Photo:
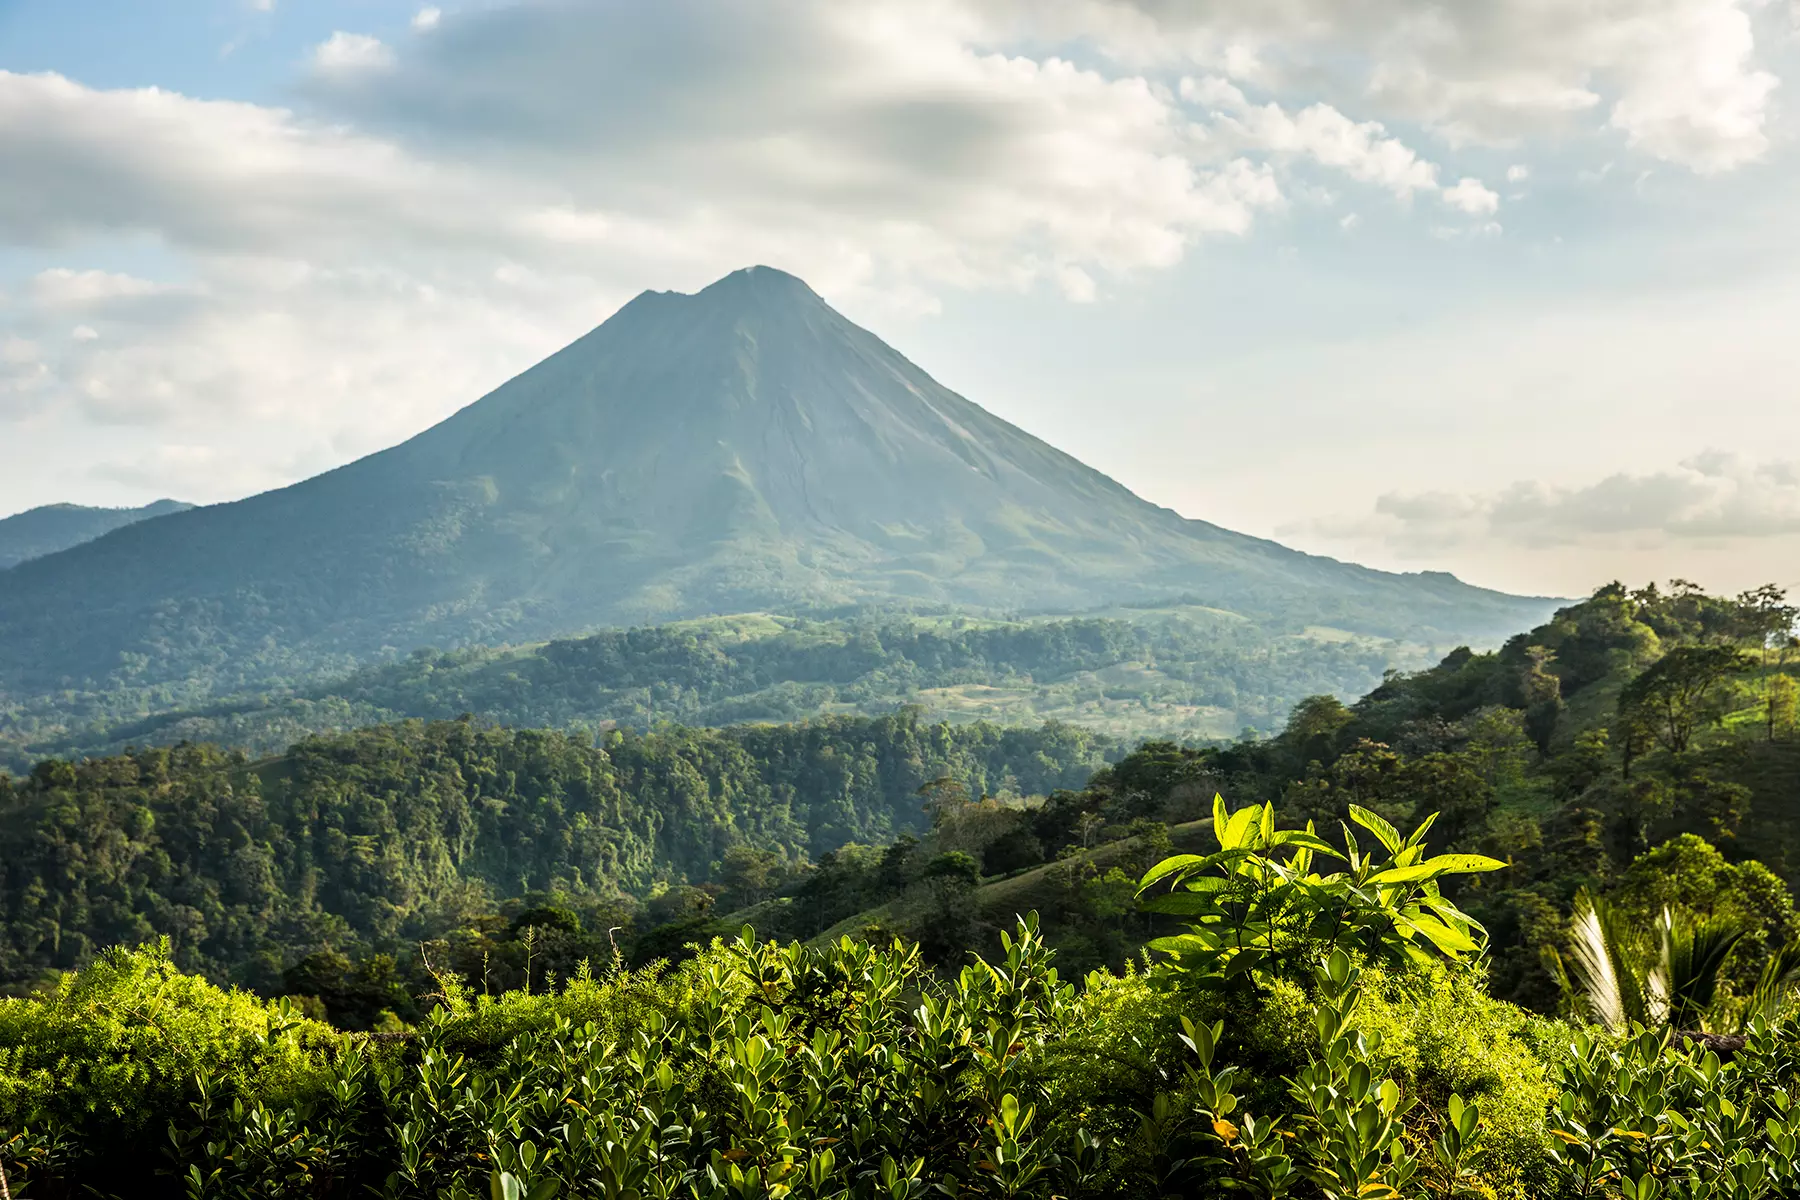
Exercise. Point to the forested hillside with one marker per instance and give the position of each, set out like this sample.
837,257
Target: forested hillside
1177,671
367,842
1646,741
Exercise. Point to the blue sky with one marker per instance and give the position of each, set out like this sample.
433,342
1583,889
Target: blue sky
1505,289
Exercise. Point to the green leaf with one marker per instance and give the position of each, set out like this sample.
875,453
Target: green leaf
1237,831
1431,868
1418,835
1168,867
1451,941
1460,864
1403,875
1306,839
1221,819
1384,832
1180,904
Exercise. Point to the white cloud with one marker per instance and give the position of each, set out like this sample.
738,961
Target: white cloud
23,373
1678,78
62,288
1710,498
1518,173
1470,196
331,264
427,19
1361,149
351,52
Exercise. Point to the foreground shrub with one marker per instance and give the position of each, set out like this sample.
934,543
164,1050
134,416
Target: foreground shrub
116,1047
1384,1071
757,1070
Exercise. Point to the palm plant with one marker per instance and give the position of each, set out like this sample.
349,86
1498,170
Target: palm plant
1684,979
1776,984
1620,979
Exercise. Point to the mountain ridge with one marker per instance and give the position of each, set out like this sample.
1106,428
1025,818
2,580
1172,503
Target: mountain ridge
51,528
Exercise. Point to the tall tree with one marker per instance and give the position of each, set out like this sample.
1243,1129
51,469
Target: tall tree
1781,702
1678,694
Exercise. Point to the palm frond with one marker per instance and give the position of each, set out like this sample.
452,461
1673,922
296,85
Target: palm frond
1685,981
1603,965
1776,985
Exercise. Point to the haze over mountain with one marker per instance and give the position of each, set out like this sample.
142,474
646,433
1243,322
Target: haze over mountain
745,447
40,531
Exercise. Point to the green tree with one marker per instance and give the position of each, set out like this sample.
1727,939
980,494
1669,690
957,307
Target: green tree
1542,698
1679,694
1768,619
749,874
1780,704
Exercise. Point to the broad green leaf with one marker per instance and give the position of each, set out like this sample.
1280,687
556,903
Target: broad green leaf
1185,943
1237,831
1221,819
1431,868
1375,824
1168,867
1180,904
1395,875
1266,824
1305,838
1450,941
1465,863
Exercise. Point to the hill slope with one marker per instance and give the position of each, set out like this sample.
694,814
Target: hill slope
743,448
40,531
1174,671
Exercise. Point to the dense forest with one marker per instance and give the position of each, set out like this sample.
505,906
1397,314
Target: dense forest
1517,925
1180,671
365,843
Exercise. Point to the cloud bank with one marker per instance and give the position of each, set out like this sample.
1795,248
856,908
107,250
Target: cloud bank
1712,498
444,203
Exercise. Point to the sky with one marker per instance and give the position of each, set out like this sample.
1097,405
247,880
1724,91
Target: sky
1509,289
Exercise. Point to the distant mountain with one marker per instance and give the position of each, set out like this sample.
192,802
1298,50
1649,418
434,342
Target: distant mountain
742,448
40,531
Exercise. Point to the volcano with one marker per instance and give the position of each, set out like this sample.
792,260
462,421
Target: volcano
742,448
